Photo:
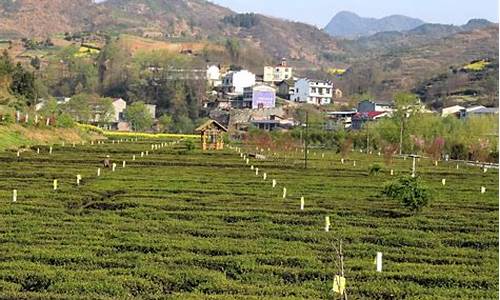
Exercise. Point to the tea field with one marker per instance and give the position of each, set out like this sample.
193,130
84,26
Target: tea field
179,224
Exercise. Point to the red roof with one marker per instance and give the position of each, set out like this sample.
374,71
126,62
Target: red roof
369,115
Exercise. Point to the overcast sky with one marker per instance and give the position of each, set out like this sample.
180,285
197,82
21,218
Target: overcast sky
319,12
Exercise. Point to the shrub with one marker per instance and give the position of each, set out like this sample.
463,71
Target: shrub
411,192
65,121
6,119
36,283
375,169
459,151
189,145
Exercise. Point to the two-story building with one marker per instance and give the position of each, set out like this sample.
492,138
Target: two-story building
237,81
119,106
278,73
259,96
286,88
317,92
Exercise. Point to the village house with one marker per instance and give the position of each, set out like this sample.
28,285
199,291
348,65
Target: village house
277,73
451,110
236,81
341,119
119,106
370,106
317,92
152,110
286,88
214,76
361,118
272,123
259,96
477,110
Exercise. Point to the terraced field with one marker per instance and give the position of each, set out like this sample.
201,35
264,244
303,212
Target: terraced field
191,225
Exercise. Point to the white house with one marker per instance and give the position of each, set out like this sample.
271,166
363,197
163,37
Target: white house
478,110
277,73
318,92
236,81
214,76
119,106
451,110
152,110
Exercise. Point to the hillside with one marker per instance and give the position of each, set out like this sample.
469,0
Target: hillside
474,83
14,136
41,18
416,37
349,25
380,64
172,20
403,68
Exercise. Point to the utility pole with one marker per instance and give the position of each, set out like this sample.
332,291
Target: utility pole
339,263
367,140
306,141
414,167
401,137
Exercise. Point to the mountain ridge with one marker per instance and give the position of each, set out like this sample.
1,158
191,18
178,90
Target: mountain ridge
346,24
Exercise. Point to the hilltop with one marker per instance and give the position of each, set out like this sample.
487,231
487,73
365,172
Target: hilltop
349,25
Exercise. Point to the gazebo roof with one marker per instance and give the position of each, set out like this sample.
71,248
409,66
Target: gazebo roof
210,124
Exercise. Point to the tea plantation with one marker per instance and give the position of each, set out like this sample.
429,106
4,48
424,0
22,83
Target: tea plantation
179,224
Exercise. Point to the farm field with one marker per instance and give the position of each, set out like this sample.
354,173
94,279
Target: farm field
181,224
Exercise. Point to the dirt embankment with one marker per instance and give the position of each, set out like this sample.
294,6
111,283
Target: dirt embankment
15,136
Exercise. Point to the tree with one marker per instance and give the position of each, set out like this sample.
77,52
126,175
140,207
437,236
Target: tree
435,149
105,109
23,83
234,48
165,122
346,147
139,116
183,124
78,107
50,108
406,105
389,151
6,65
36,63
410,191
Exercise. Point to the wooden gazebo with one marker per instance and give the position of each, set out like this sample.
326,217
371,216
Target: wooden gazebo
212,135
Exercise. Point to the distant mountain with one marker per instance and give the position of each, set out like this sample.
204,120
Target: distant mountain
395,41
349,25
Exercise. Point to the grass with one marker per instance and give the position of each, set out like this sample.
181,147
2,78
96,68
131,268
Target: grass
192,225
15,136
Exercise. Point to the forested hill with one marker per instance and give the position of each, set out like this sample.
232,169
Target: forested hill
381,64
193,20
